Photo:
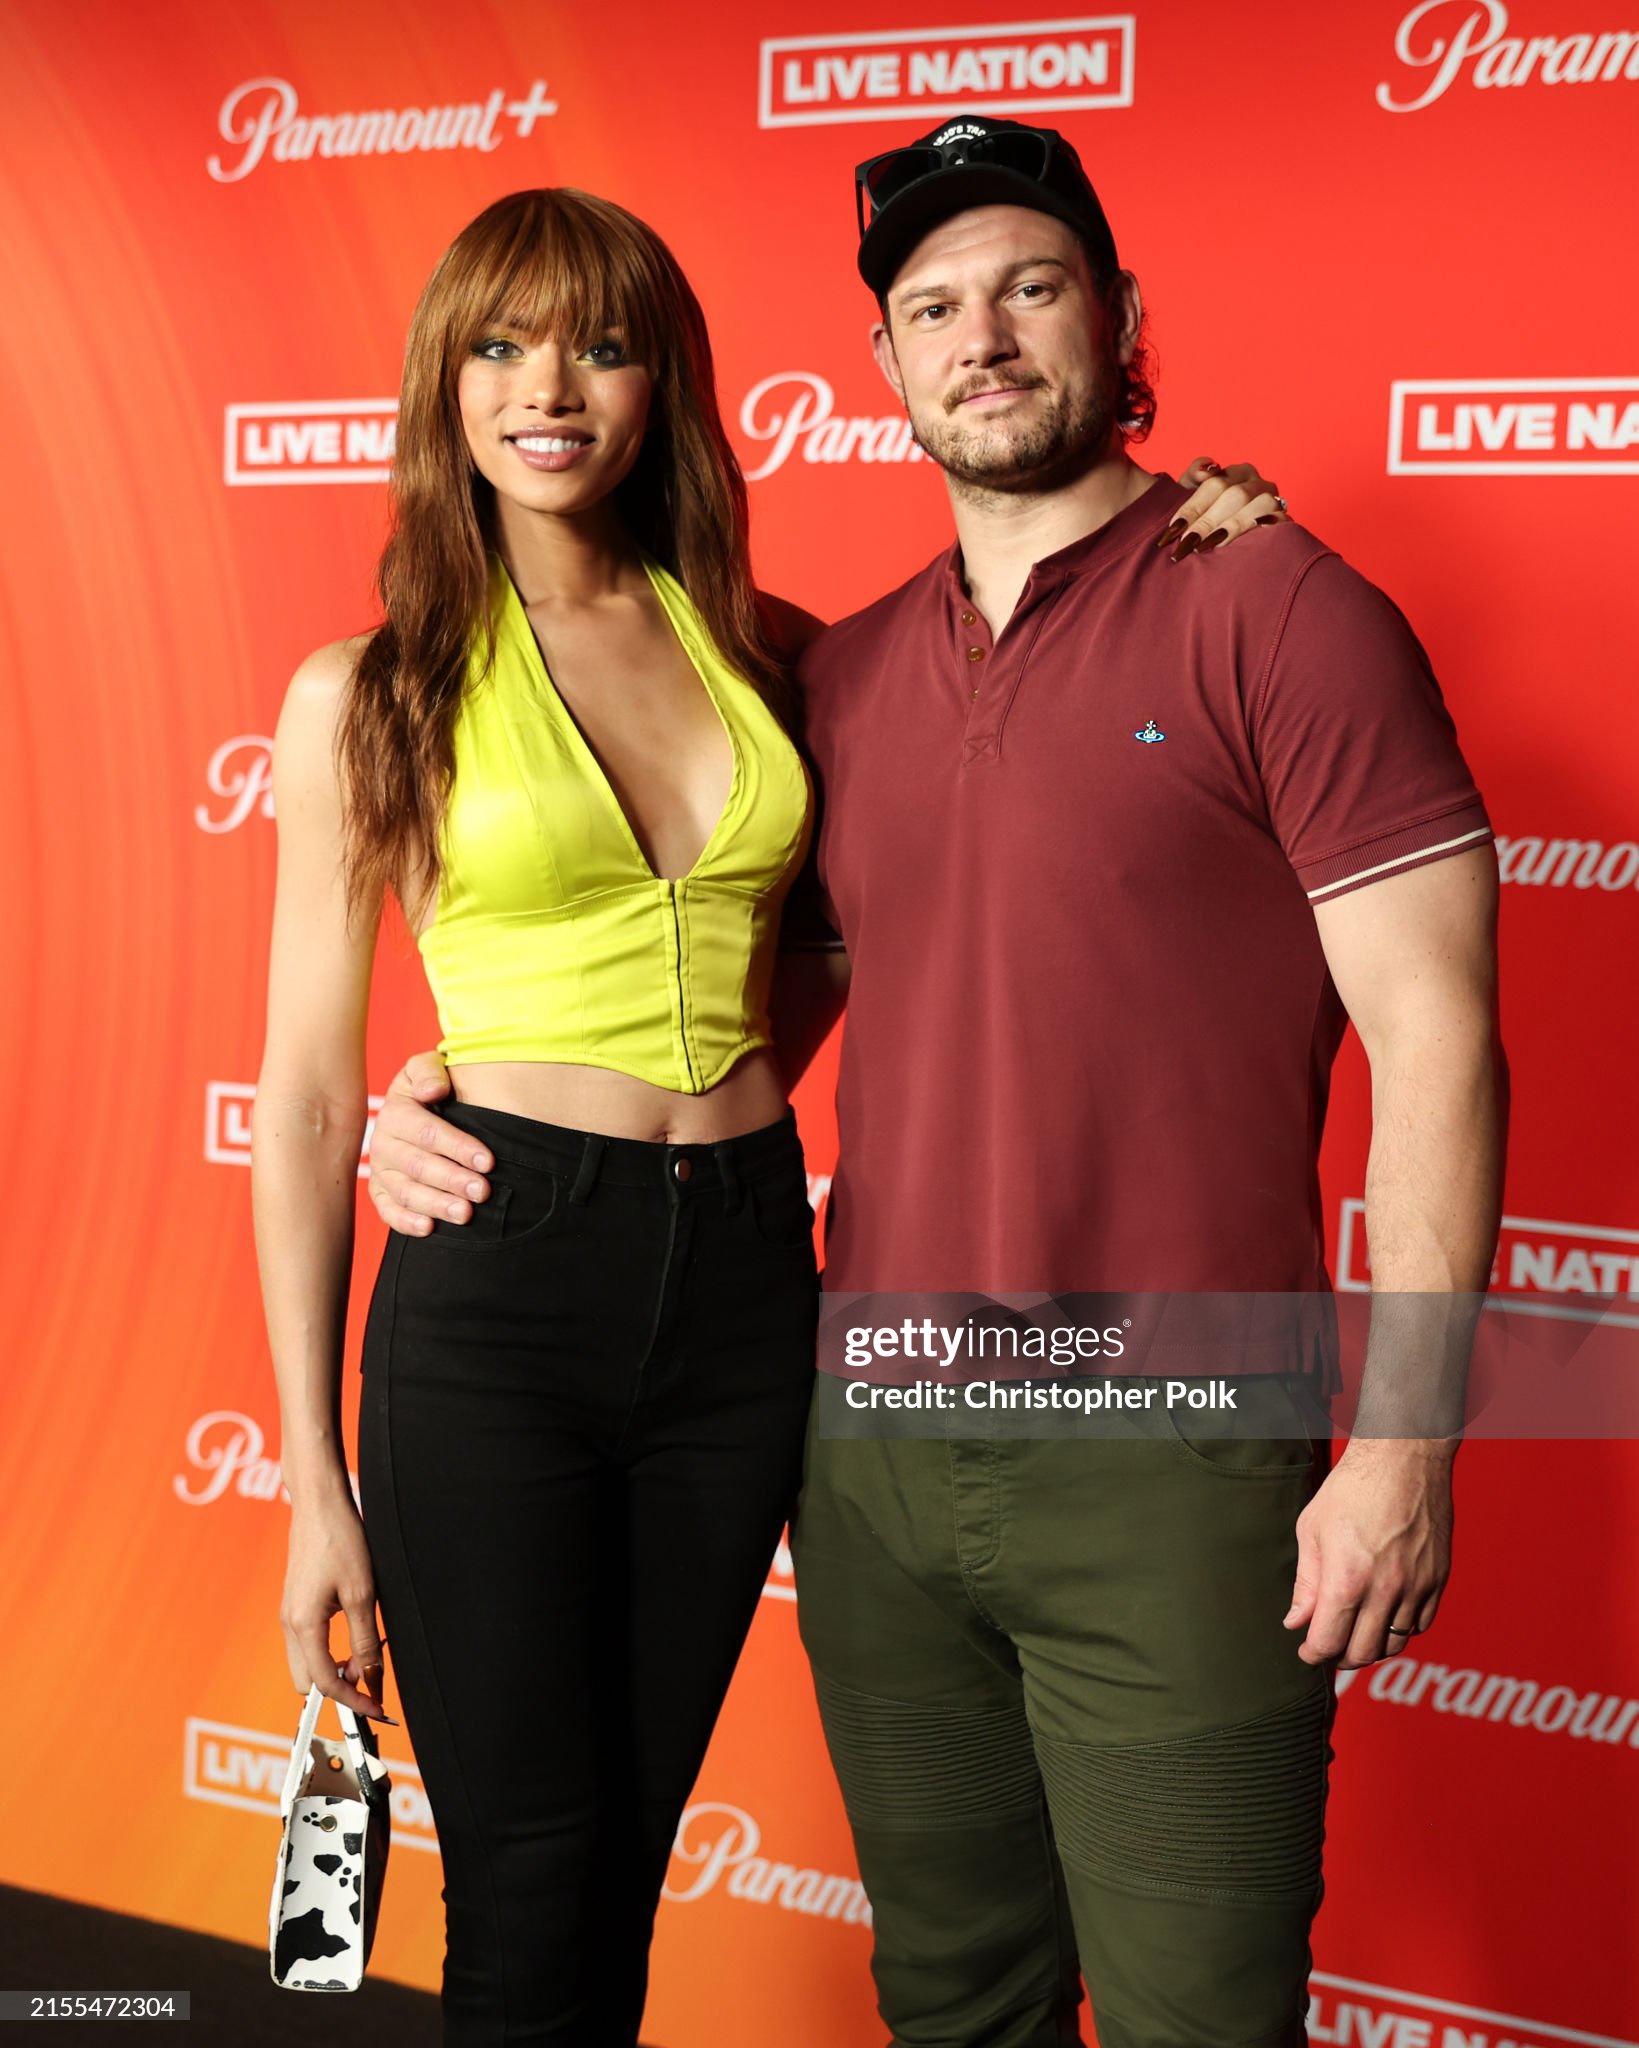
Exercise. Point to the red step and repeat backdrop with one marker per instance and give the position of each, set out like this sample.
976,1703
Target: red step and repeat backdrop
1388,254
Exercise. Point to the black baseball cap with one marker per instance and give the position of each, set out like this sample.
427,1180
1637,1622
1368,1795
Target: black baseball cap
970,160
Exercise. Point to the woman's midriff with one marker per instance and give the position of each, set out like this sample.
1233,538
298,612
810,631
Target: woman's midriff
749,1096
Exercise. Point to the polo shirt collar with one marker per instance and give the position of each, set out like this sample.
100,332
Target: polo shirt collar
1145,517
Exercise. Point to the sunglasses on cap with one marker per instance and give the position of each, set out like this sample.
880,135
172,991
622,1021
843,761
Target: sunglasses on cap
1038,154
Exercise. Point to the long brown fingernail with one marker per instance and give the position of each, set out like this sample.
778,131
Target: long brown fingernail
1172,533
1216,539
1187,546
1268,519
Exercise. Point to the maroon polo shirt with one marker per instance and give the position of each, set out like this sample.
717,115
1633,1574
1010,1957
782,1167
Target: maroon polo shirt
1090,1027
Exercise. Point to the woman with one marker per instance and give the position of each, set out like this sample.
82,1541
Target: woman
582,1410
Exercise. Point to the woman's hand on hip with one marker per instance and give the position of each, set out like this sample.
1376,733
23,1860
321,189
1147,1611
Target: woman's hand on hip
421,1166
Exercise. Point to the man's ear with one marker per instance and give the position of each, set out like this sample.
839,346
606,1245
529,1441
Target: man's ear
1126,314
886,361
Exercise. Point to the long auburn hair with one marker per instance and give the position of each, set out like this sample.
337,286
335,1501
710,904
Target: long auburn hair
551,260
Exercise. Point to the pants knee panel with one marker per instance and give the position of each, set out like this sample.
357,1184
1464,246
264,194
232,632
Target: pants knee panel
1237,1811
911,1764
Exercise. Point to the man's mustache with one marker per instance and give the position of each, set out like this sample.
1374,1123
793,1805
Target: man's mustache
967,391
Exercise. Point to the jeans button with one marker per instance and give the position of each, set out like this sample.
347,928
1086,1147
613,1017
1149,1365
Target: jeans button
682,1168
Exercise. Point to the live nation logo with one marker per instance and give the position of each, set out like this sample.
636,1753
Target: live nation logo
1514,426
924,72
228,1106
1540,1266
229,1765
310,441
1345,2013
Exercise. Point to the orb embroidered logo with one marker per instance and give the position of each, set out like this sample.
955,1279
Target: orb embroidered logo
1150,733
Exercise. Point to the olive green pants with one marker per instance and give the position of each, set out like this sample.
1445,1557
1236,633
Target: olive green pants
1071,1733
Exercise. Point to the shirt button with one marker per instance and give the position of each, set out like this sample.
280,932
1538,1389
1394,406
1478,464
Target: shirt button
975,654
968,618
682,1168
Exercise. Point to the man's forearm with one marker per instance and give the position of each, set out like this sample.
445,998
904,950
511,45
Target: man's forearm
1433,1203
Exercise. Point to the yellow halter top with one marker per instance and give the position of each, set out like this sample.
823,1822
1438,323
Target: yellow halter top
552,938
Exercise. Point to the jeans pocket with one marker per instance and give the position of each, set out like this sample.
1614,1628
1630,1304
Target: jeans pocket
780,1207
1263,1401
524,1203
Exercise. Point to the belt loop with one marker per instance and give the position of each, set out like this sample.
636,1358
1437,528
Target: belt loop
732,1186
590,1160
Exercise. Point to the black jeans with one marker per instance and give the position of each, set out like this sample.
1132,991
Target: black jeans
580,1433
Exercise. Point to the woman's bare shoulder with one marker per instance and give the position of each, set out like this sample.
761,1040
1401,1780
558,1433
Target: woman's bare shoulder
327,671
305,736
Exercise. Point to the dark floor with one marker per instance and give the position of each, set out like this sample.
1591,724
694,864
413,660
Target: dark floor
50,1944
54,1944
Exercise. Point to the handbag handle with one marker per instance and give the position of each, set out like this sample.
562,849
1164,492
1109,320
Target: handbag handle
367,1765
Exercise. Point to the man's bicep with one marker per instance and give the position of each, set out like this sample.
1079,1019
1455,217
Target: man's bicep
1416,948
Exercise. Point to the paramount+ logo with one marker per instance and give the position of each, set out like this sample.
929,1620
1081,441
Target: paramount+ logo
795,411
263,120
920,73
240,772
721,1845
1442,42
1534,863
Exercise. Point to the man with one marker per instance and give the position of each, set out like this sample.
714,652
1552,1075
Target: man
1113,861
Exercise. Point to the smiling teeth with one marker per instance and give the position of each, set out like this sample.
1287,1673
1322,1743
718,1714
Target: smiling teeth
539,444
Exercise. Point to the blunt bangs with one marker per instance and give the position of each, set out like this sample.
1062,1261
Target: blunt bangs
563,273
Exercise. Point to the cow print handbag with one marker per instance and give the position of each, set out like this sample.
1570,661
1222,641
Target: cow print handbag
332,1855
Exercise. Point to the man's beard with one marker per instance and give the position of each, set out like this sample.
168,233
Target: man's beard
1063,436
